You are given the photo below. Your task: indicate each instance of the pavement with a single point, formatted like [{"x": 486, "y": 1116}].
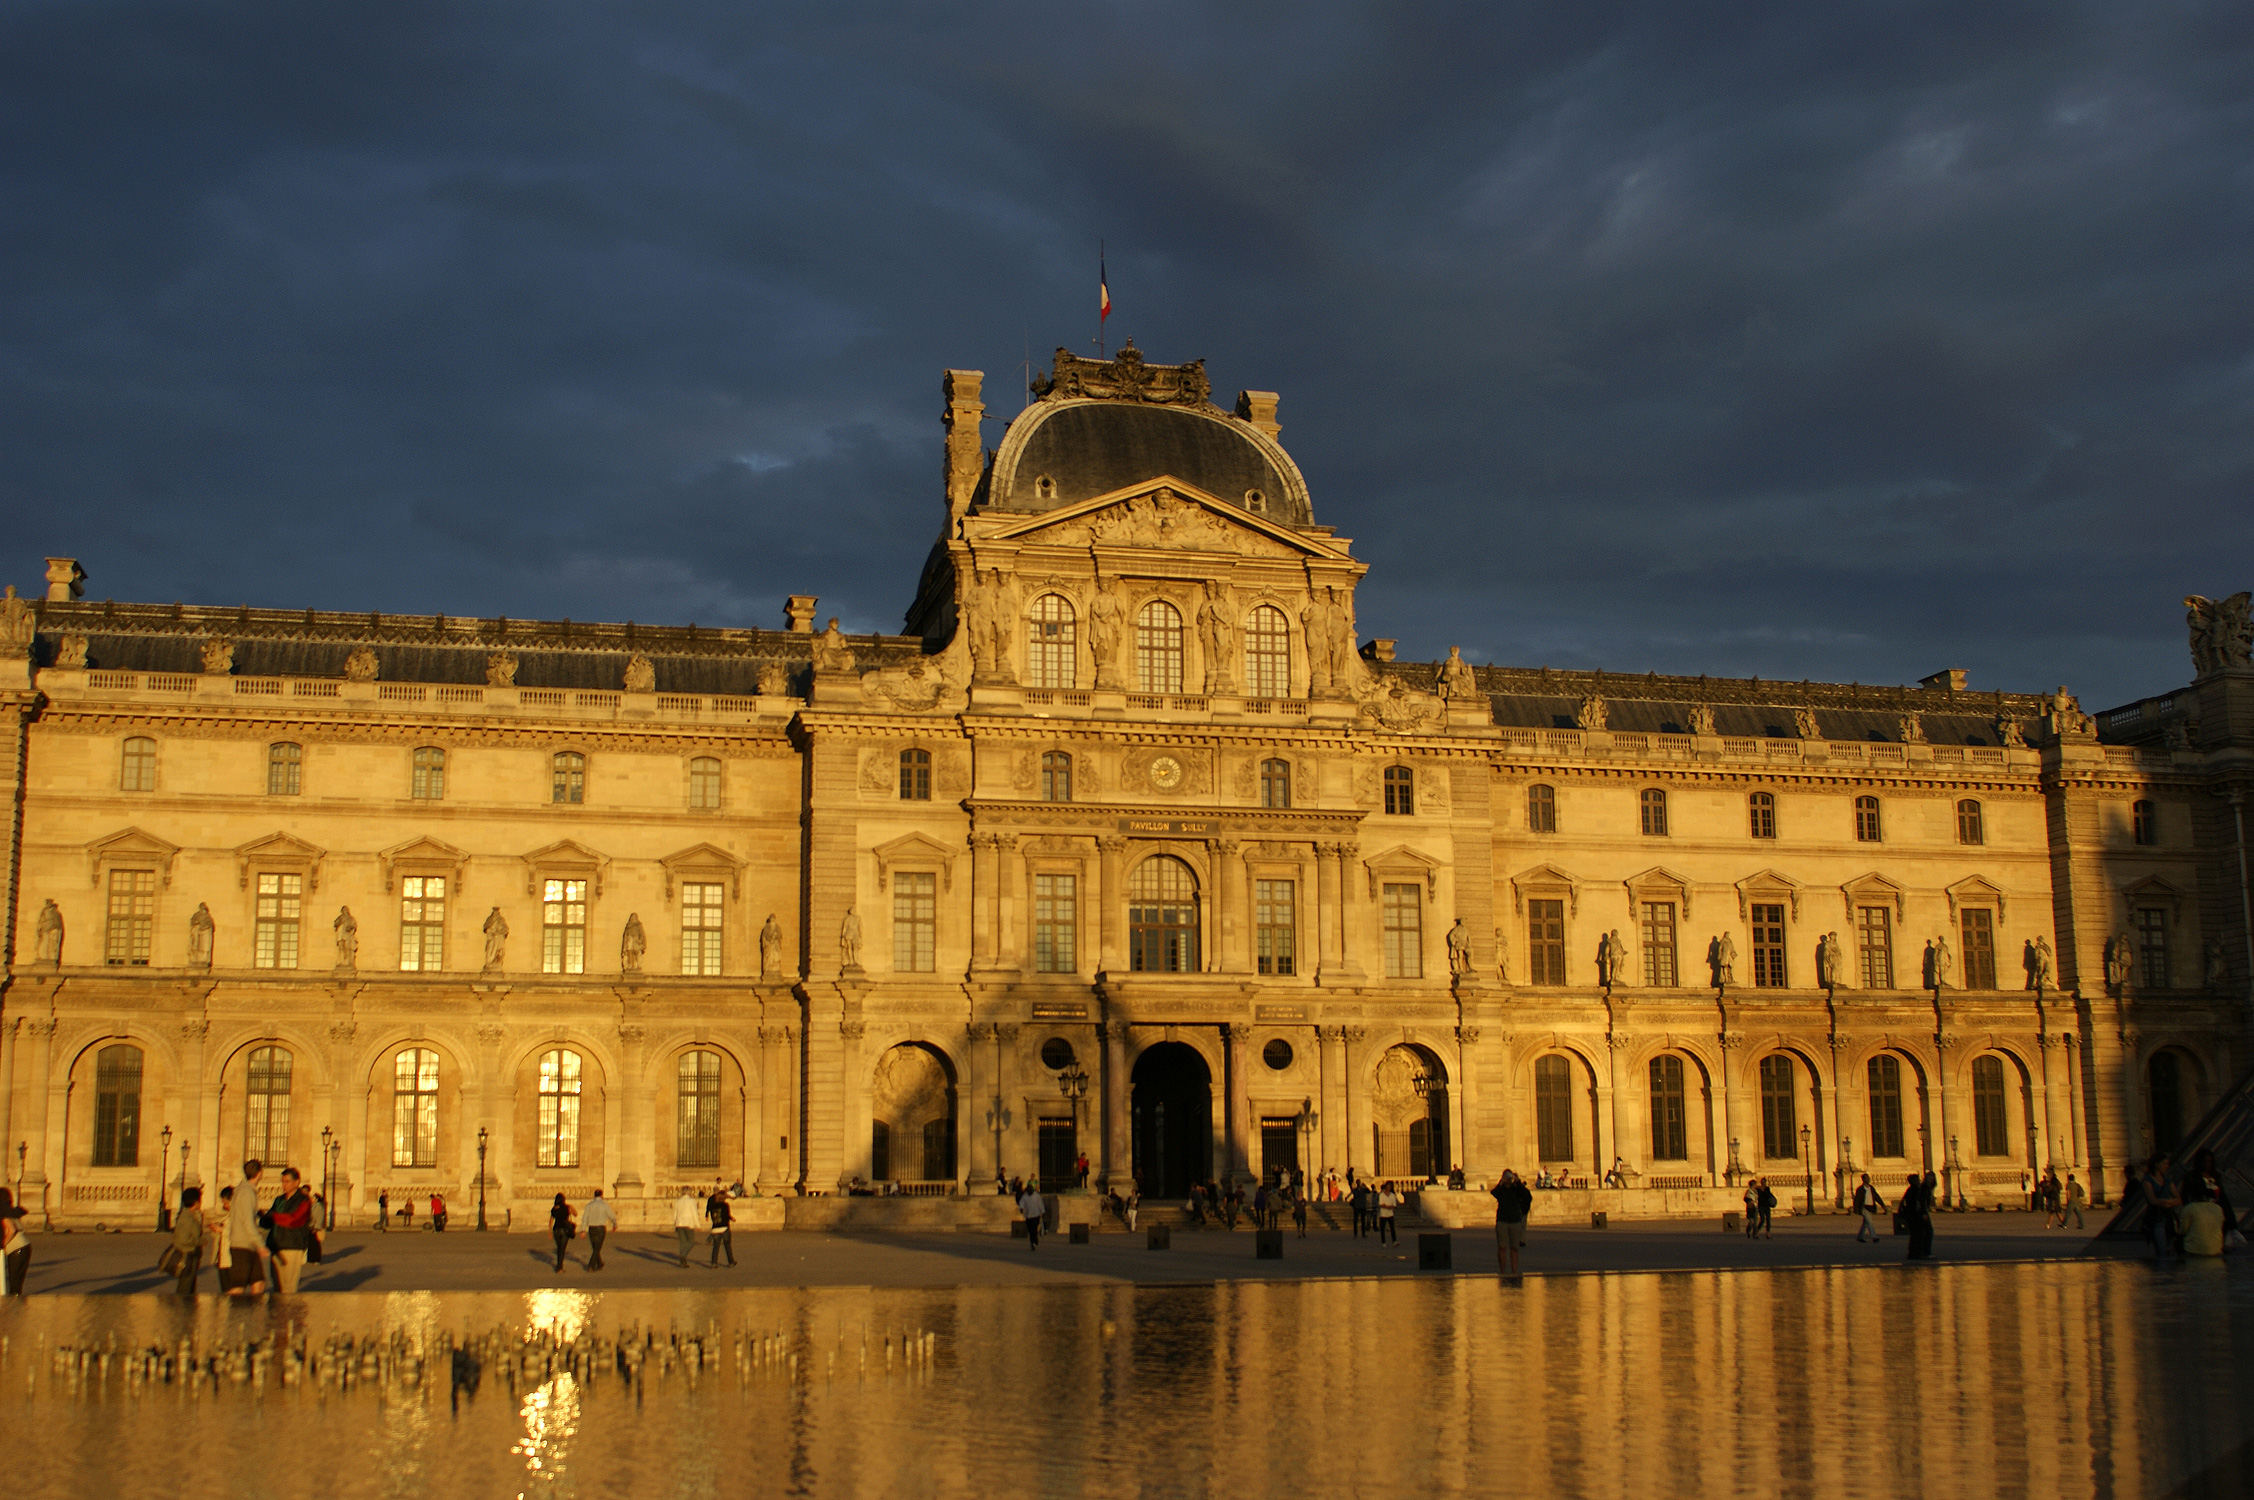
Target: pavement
[{"x": 464, "y": 1260}]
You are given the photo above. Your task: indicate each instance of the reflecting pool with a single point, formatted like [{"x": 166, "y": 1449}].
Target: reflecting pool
[{"x": 2063, "y": 1379}]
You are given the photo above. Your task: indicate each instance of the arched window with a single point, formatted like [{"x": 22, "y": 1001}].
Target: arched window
[
  {"x": 1275, "y": 783},
  {"x": 285, "y": 770},
  {"x": 1050, "y": 658},
  {"x": 1158, "y": 647},
  {"x": 915, "y": 775},
  {"x": 1400, "y": 791},
  {"x": 704, "y": 783},
  {"x": 137, "y": 766},
  {"x": 1553, "y": 1108},
  {"x": 1761, "y": 814},
  {"x": 1885, "y": 1073},
  {"x": 697, "y": 1110},
  {"x": 1988, "y": 1134},
  {"x": 1866, "y": 820},
  {"x": 1056, "y": 776},
  {"x": 1541, "y": 808},
  {"x": 266, "y": 1105},
  {"x": 117, "y": 1106},
  {"x": 1267, "y": 653},
  {"x": 1969, "y": 830},
  {"x": 1654, "y": 805},
  {"x": 2165, "y": 1088},
  {"x": 1162, "y": 917},
  {"x": 414, "y": 1108},
  {"x": 570, "y": 777},
  {"x": 1780, "y": 1115},
  {"x": 559, "y": 1108},
  {"x": 2144, "y": 820},
  {"x": 429, "y": 783},
  {"x": 1670, "y": 1116}
]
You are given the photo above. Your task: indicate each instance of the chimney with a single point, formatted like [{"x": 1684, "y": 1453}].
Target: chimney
[
  {"x": 1377, "y": 650},
  {"x": 1951, "y": 681},
  {"x": 966, "y": 453},
  {"x": 798, "y": 613},
  {"x": 1259, "y": 408},
  {"x": 66, "y": 580}
]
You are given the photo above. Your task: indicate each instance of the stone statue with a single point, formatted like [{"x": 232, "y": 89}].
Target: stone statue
[
  {"x": 2218, "y": 970},
  {"x": 2066, "y": 715},
  {"x": 348, "y": 938},
  {"x": 1107, "y": 623},
  {"x": 1592, "y": 713},
  {"x": 849, "y": 939},
  {"x": 1330, "y": 647},
  {"x": 2042, "y": 970},
  {"x": 1702, "y": 718},
  {"x": 1912, "y": 728},
  {"x": 2010, "y": 733},
  {"x": 774, "y": 680},
  {"x": 831, "y": 654},
  {"x": 1216, "y": 634},
  {"x": 1459, "y": 949},
  {"x": 1804, "y": 724},
  {"x": 70, "y": 653},
  {"x": 1721, "y": 957},
  {"x": 1502, "y": 954},
  {"x": 2222, "y": 631},
  {"x": 770, "y": 948},
  {"x": 1944, "y": 959},
  {"x": 200, "y": 933},
  {"x": 50, "y": 935},
  {"x": 496, "y": 941},
  {"x": 1828, "y": 962},
  {"x": 1620, "y": 970},
  {"x": 218, "y": 657},
  {"x": 641, "y": 675},
  {"x": 1457, "y": 679},
  {"x": 1929, "y": 967},
  {"x": 632, "y": 944},
  {"x": 17, "y": 625},
  {"x": 361, "y": 665},
  {"x": 2117, "y": 951},
  {"x": 501, "y": 669},
  {"x": 1607, "y": 960}
]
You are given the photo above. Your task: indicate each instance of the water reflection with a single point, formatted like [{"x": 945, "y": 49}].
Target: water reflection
[{"x": 2058, "y": 1380}]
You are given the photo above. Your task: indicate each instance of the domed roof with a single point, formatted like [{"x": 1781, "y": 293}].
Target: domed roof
[{"x": 1104, "y": 425}]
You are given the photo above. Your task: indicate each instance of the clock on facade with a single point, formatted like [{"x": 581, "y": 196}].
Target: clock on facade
[{"x": 1166, "y": 773}]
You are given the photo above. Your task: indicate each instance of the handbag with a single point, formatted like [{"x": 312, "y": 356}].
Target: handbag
[{"x": 170, "y": 1260}]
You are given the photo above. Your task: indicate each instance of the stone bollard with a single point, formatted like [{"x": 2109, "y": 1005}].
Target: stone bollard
[
  {"x": 1268, "y": 1244},
  {"x": 1078, "y": 1234},
  {"x": 1161, "y": 1237},
  {"x": 1596, "y": 1218},
  {"x": 1436, "y": 1252},
  {"x": 1733, "y": 1222},
  {"x": 1017, "y": 1229}
]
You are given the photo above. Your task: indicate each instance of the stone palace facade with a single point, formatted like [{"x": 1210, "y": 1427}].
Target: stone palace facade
[{"x": 1125, "y": 846}]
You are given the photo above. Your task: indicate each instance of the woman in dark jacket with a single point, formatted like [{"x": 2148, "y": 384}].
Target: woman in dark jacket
[
  {"x": 562, "y": 1226},
  {"x": 291, "y": 1236}
]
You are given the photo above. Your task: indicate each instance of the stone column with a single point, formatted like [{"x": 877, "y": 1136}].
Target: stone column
[
  {"x": 1470, "y": 1140},
  {"x": 9, "y": 1026},
  {"x": 1232, "y": 914},
  {"x": 195, "y": 1035},
  {"x": 1115, "y": 1149},
  {"x": 39, "y": 1034},
  {"x": 1331, "y": 1049},
  {"x": 974, "y": 1161},
  {"x": 635, "y": 1163},
  {"x": 1620, "y": 1115},
  {"x": 787, "y": 1131},
  {"x": 2070, "y": 1063},
  {"x": 859, "y": 1120},
  {"x": 1841, "y": 1188},
  {"x": 1009, "y": 928},
  {"x": 1947, "y": 1049},
  {"x": 2054, "y": 1152},
  {"x": 1111, "y": 903},
  {"x": 1329, "y": 913},
  {"x": 1733, "y": 1050},
  {"x": 1239, "y": 1117},
  {"x": 984, "y": 903},
  {"x": 1005, "y": 1041},
  {"x": 351, "y": 1125},
  {"x": 1357, "y": 1151}
]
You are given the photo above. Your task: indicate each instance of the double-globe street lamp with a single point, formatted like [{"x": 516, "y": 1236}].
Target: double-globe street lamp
[
  {"x": 328, "y": 1178},
  {"x": 1074, "y": 1083},
  {"x": 481, "y": 1178},
  {"x": 164, "y": 1201}
]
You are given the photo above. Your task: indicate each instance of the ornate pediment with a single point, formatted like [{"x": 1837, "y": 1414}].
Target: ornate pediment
[
  {"x": 1402, "y": 862},
  {"x": 915, "y": 850},
  {"x": 561, "y": 861},
  {"x": 280, "y": 850},
  {"x": 2152, "y": 891},
  {"x": 1874, "y": 887},
  {"x": 1126, "y": 376},
  {"x": 707, "y": 860},
  {"x": 1975, "y": 890},
  {"x": 1659, "y": 881},
  {"x": 131, "y": 846},
  {"x": 1165, "y": 513},
  {"x": 1768, "y": 883},
  {"x": 1545, "y": 880},
  {"x": 420, "y": 855}
]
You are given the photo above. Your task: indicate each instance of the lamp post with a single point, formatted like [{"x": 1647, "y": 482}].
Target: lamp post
[
  {"x": 1846, "y": 1166},
  {"x": 1735, "y": 1170},
  {"x": 1307, "y": 1120},
  {"x": 1073, "y": 1081},
  {"x": 1808, "y": 1163},
  {"x": 1424, "y": 1083},
  {"x": 164, "y": 1202},
  {"x": 328, "y": 1181},
  {"x": 481, "y": 1179},
  {"x": 336, "y": 1161},
  {"x": 1956, "y": 1170}
]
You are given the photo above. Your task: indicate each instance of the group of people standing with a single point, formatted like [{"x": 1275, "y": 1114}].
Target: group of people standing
[
  {"x": 1375, "y": 1209},
  {"x": 2058, "y": 1199},
  {"x": 251, "y": 1249},
  {"x": 2188, "y": 1217}
]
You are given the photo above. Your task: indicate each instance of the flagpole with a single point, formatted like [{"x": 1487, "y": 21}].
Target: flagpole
[{"x": 1103, "y": 297}]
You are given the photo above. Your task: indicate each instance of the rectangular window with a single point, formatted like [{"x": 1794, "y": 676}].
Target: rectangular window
[
  {"x": 1553, "y": 1108},
  {"x": 1886, "y": 1106},
  {"x": 1658, "y": 928},
  {"x": 1404, "y": 932},
  {"x": 414, "y": 1108},
  {"x": 1545, "y": 942},
  {"x": 1866, "y": 820},
  {"x": 700, "y": 928},
  {"x": 1874, "y": 934},
  {"x": 704, "y": 783},
  {"x": 2152, "y": 947},
  {"x": 1670, "y": 1118},
  {"x": 274, "y": 939},
  {"x": 422, "y": 923},
  {"x": 429, "y": 782},
  {"x": 1768, "y": 947},
  {"x": 563, "y": 927},
  {"x": 1979, "y": 926},
  {"x": 915, "y": 922},
  {"x": 117, "y": 1106},
  {"x": 285, "y": 770},
  {"x": 133, "y": 910},
  {"x": 1780, "y": 1117},
  {"x": 1275, "y": 783},
  {"x": 1761, "y": 810},
  {"x": 1988, "y": 1131},
  {"x": 1055, "y": 924},
  {"x": 137, "y": 770},
  {"x": 1274, "y": 925}
]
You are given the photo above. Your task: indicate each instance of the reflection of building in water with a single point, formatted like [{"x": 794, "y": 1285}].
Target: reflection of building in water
[{"x": 641, "y": 906}]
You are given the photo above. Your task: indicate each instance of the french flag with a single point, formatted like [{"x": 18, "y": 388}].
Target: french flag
[{"x": 1103, "y": 291}]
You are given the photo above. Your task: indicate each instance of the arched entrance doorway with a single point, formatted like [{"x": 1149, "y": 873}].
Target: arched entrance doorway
[
  {"x": 1409, "y": 1114},
  {"x": 912, "y": 1116},
  {"x": 1172, "y": 1106}
]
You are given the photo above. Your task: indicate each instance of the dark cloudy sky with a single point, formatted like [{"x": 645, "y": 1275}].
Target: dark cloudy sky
[{"x": 1799, "y": 340}]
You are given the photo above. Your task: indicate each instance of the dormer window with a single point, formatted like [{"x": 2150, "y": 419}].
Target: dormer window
[
  {"x": 1255, "y": 502},
  {"x": 1044, "y": 489}
]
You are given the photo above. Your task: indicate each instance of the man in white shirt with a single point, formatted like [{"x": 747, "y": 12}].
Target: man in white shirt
[
  {"x": 688, "y": 1217},
  {"x": 1031, "y": 1208},
  {"x": 246, "y": 1242},
  {"x": 597, "y": 1219}
]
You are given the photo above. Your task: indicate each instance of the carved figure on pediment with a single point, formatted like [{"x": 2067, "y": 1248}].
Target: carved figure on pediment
[
  {"x": 774, "y": 680},
  {"x": 49, "y": 935},
  {"x": 17, "y": 625},
  {"x": 1459, "y": 949},
  {"x": 1394, "y": 705},
  {"x": 2222, "y": 631},
  {"x": 2179, "y": 734},
  {"x": 1592, "y": 713},
  {"x": 1805, "y": 725},
  {"x": 2011, "y": 733},
  {"x": 200, "y": 935},
  {"x": 347, "y": 931},
  {"x": 1107, "y": 624},
  {"x": 641, "y": 674},
  {"x": 70, "y": 653},
  {"x": 1217, "y": 635},
  {"x": 1911, "y": 728},
  {"x": 218, "y": 657},
  {"x": 496, "y": 941},
  {"x": 361, "y": 665},
  {"x": 2217, "y": 972},
  {"x": 831, "y": 654},
  {"x": 1721, "y": 959},
  {"x": 912, "y": 688},
  {"x": 2117, "y": 957},
  {"x": 1457, "y": 680},
  {"x": 770, "y": 948},
  {"x": 1702, "y": 718},
  {"x": 501, "y": 669},
  {"x": 849, "y": 939},
  {"x": 632, "y": 944}
]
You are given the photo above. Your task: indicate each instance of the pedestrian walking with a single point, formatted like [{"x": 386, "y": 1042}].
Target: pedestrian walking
[
  {"x": 1867, "y": 1205},
  {"x": 1031, "y": 1209},
  {"x": 291, "y": 1232},
  {"x": 1388, "y": 1203},
  {"x": 1916, "y": 1209},
  {"x": 561, "y": 1227},
  {"x": 718, "y": 1215},
  {"x": 1766, "y": 1200},
  {"x": 598, "y": 1221},
  {"x": 1080, "y": 1170},
  {"x": 1299, "y": 1212},
  {"x": 1752, "y": 1207},
  {"x": 1134, "y": 1204},
  {"x": 2071, "y": 1202},
  {"x": 687, "y": 1220},
  {"x": 185, "y": 1259},
  {"x": 246, "y": 1241},
  {"x": 15, "y": 1247},
  {"x": 215, "y": 1236},
  {"x": 2161, "y": 1202},
  {"x": 2048, "y": 1188},
  {"x": 1512, "y": 1205},
  {"x": 383, "y": 1212},
  {"x": 438, "y": 1212}
]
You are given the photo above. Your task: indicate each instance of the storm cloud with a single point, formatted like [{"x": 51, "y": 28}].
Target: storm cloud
[{"x": 1798, "y": 341}]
